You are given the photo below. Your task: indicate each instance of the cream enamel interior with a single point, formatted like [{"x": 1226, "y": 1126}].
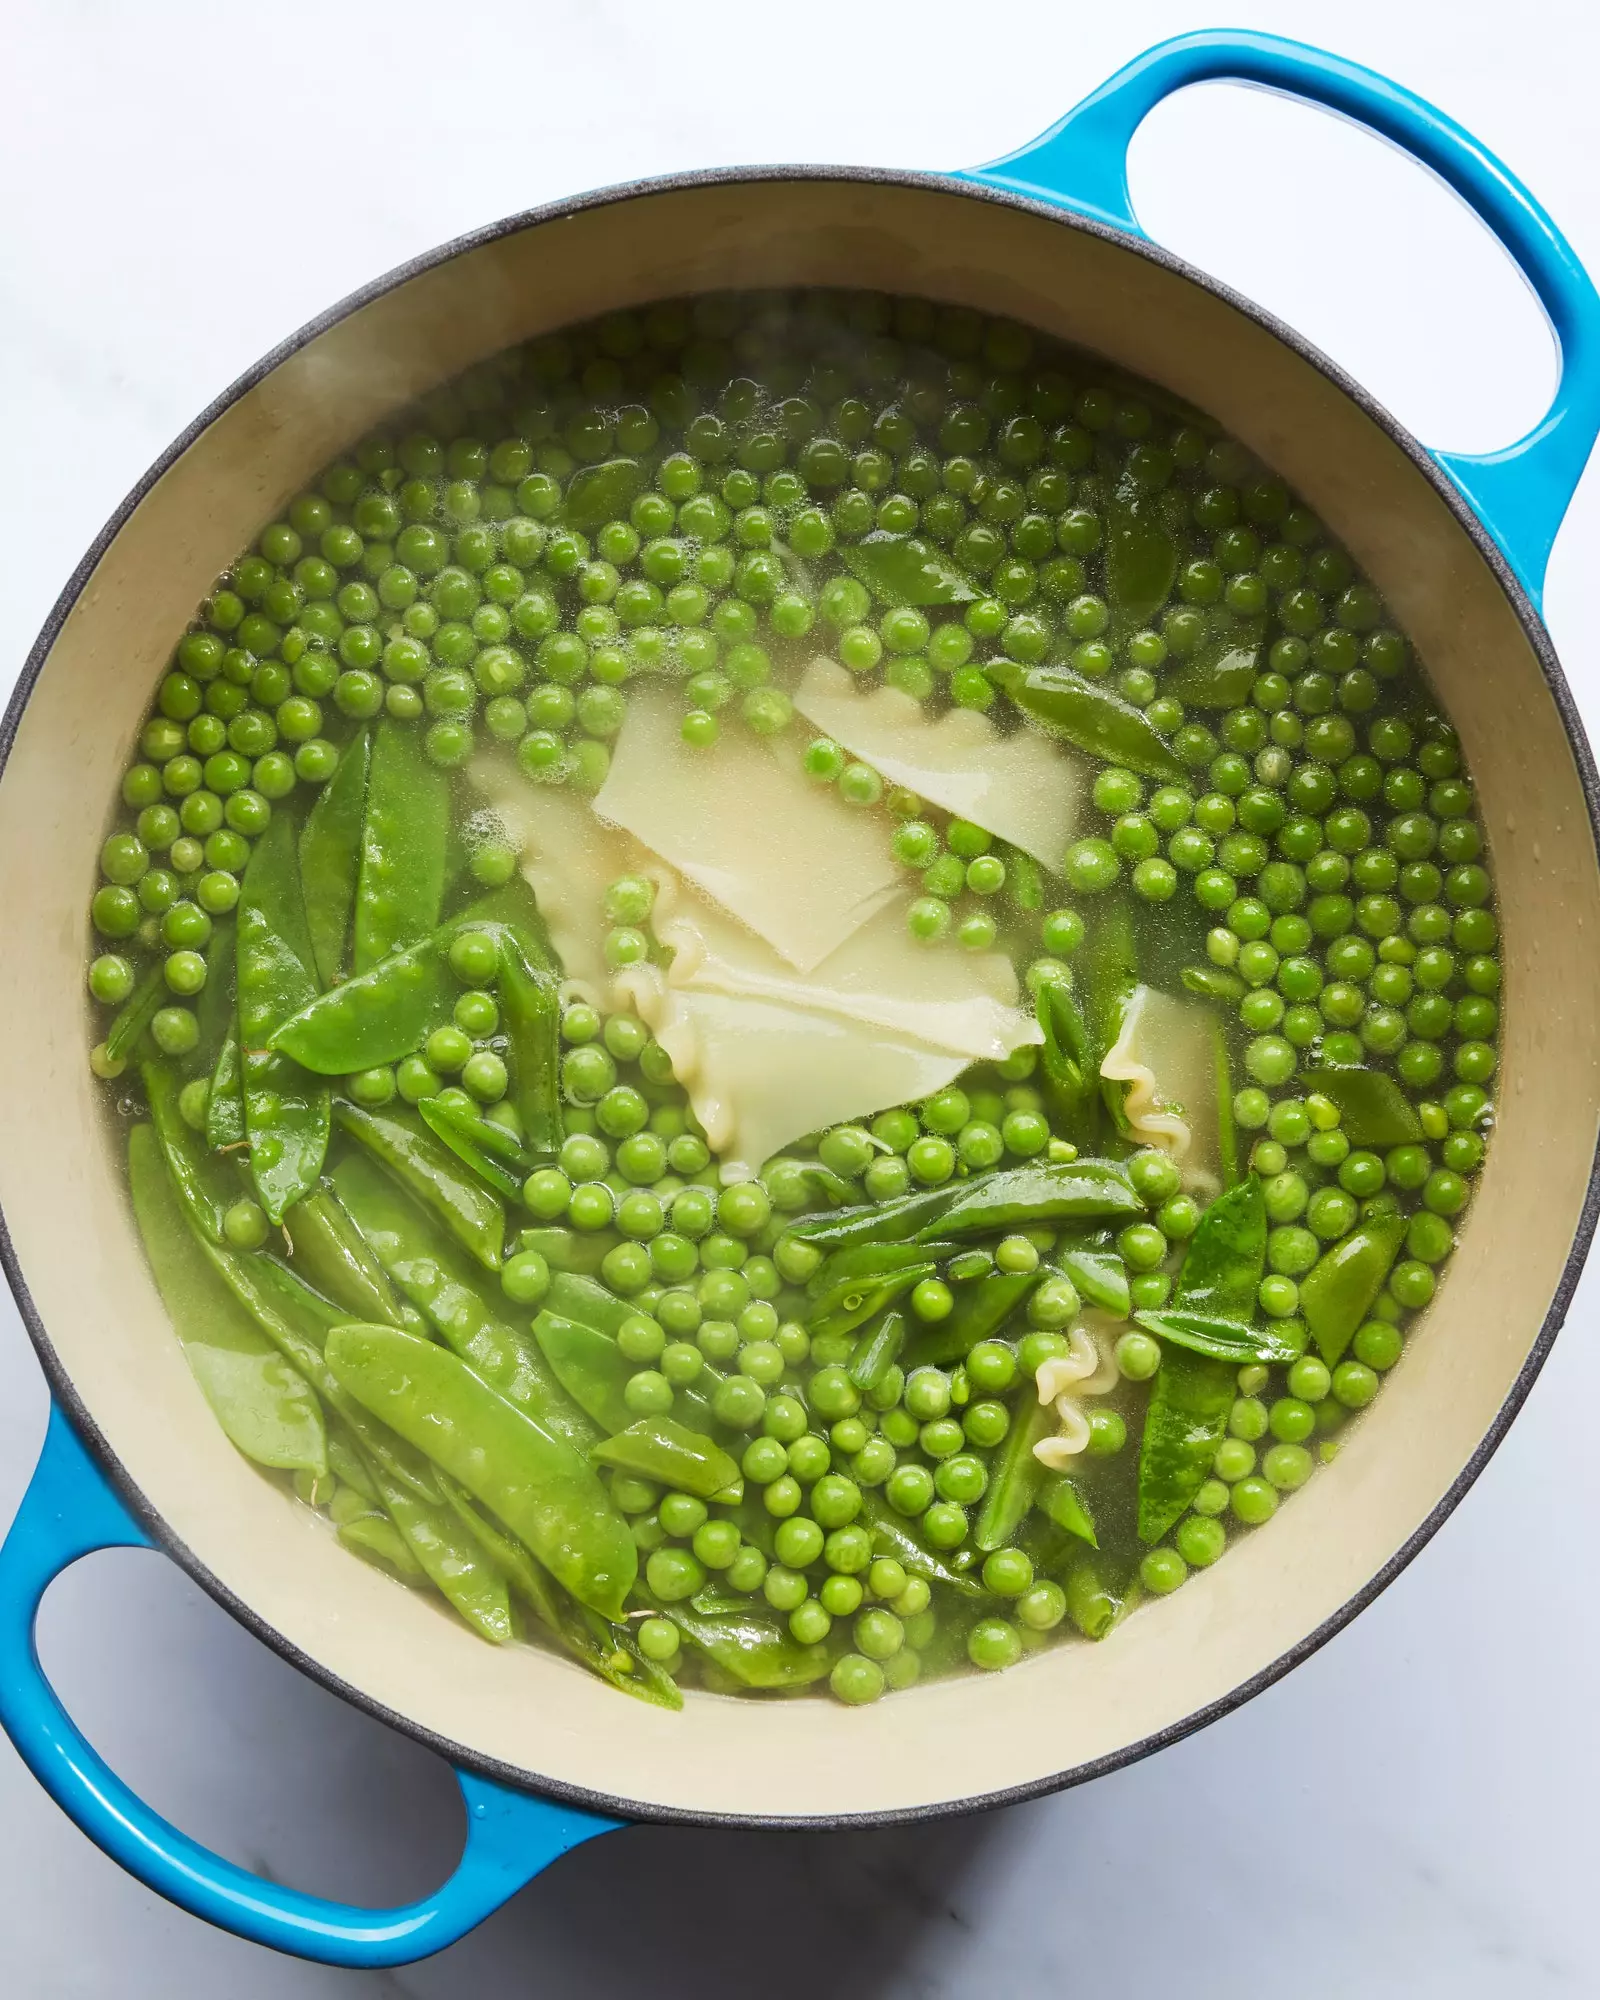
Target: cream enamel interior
[{"x": 60, "y": 1186}]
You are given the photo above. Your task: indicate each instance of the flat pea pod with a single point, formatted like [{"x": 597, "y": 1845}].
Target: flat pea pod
[
  {"x": 877, "y": 1351},
  {"x": 468, "y": 1137},
  {"x": 266, "y": 1406},
  {"x": 297, "y": 1322},
  {"x": 333, "y": 1255},
  {"x": 376, "y": 1539},
  {"x": 1016, "y": 1476},
  {"x": 345, "y": 1460},
  {"x": 1221, "y": 1271},
  {"x": 757, "y": 1652},
  {"x": 330, "y": 862},
  {"x": 1184, "y": 1423},
  {"x": 438, "y": 1283},
  {"x": 1373, "y": 1109},
  {"x": 135, "y": 1015},
  {"x": 452, "y": 1561},
  {"x": 285, "y": 1108},
  {"x": 405, "y": 843},
  {"x": 853, "y": 1301},
  {"x": 589, "y": 1365},
  {"x": 193, "y": 1172},
  {"x": 1228, "y": 1340},
  {"x": 599, "y": 493},
  {"x": 658, "y": 1448},
  {"x": 1141, "y": 556},
  {"x": 1089, "y": 717},
  {"x": 579, "y": 1297},
  {"x": 1093, "y": 1604},
  {"x": 979, "y": 1311},
  {"x": 217, "y": 1009},
  {"x": 225, "y": 1100},
  {"x": 606, "y": 1650},
  {"x": 1100, "y": 1277},
  {"x": 534, "y": 1482},
  {"x": 1227, "y": 1129},
  {"x": 1338, "y": 1292},
  {"x": 1213, "y": 982},
  {"x": 1062, "y": 1503},
  {"x": 905, "y": 569},
  {"x": 1024, "y": 881},
  {"x": 1220, "y": 675},
  {"x": 430, "y": 1173},
  {"x": 530, "y": 1011},
  {"x": 867, "y": 1262},
  {"x": 895, "y": 1221},
  {"x": 577, "y": 1251},
  {"x": 1064, "y": 1192},
  {"x": 891, "y": 1536},
  {"x": 1066, "y": 1060},
  {"x": 376, "y": 1017}
]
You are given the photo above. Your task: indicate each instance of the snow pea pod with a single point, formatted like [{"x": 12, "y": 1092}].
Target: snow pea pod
[
  {"x": 543, "y": 1490},
  {"x": 659, "y": 1448},
  {"x": 895, "y": 1221},
  {"x": 877, "y": 1351},
  {"x": 285, "y": 1108},
  {"x": 530, "y": 1010},
  {"x": 135, "y": 1015},
  {"x": 376, "y": 1539},
  {"x": 1061, "y": 1501},
  {"x": 978, "y": 1312},
  {"x": 1017, "y": 1475},
  {"x": 904, "y": 569},
  {"x": 225, "y": 1100},
  {"x": 606, "y": 1650},
  {"x": 1227, "y": 1340},
  {"x": 867, "y": 1262},
  {"x": 431, "y": 1174},
  {"x": 266, "y": 1407},
  {"x": 854, "y": 1301},
  {"x": 1066, "y": 1057},
  {"x": 376, "y": 1017},
  {"x": 1221, "y": 1271},
  {"x": 480, "y": 1144},
  {"x": 1213, "y": 982},
  {"x": 1093, "y": 1605},
  {"x": 1089, "y": 717},
  {"x": 345, "y": 1460},
  {"x": 589, "y": 1365},
  {"x": 330, "y": 860},
  {"x": 578, "y": 1251},
  {"x": 405, "y": 841},
  {"x": 1338, "y": 1292},
  {"x": 298, "y": 1323},
  {"x": 1141, "y": 554},
  {"x": 1183, "y": 1425},
  {"x": 579, "y": 1297},
  {"x": 600, "y": 493},
  {"x": 217, "y": 1009},
  {"x": 438, "y": 1283},
  {"x": 1060, "y": 1192},
  {"x": 892, "y": 1536},
  {"x": 1373, "y": 1109},
  {"x": 756, "y": 1652},
  {"x": 332, "y": 1254},
  {"x": 193, "y": 1172},
  {"x": 451, "y": 1560},
  {"x": 1100, "y": 1277},
  {"x": 1220, "y": 675}
]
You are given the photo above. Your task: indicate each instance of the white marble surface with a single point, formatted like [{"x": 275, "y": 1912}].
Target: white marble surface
[{"x": 1410, "y": 1816}]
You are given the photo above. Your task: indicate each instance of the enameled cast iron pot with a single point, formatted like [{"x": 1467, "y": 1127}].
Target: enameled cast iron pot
[{"x": 547, "y": 1756}]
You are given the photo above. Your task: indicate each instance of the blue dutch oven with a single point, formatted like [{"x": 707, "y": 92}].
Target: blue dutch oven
[{"x": 547, "y": 1759}]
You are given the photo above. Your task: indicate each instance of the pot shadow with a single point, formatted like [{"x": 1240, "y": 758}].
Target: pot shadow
[{"x": 858, "y": 1909}]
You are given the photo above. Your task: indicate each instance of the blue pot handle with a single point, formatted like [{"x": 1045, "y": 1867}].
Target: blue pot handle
[
  {"x": 1521, "y": 493},
  {"x": 69, "y": 1511}
]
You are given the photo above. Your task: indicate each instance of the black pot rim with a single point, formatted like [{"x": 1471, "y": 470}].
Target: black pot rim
[{"x": 1532, "y": 624}]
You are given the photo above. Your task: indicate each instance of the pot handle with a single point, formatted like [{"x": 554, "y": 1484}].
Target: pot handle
[
  {"x": 1520, "y": 493},
  {"x": 70, "y": 1510}
]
